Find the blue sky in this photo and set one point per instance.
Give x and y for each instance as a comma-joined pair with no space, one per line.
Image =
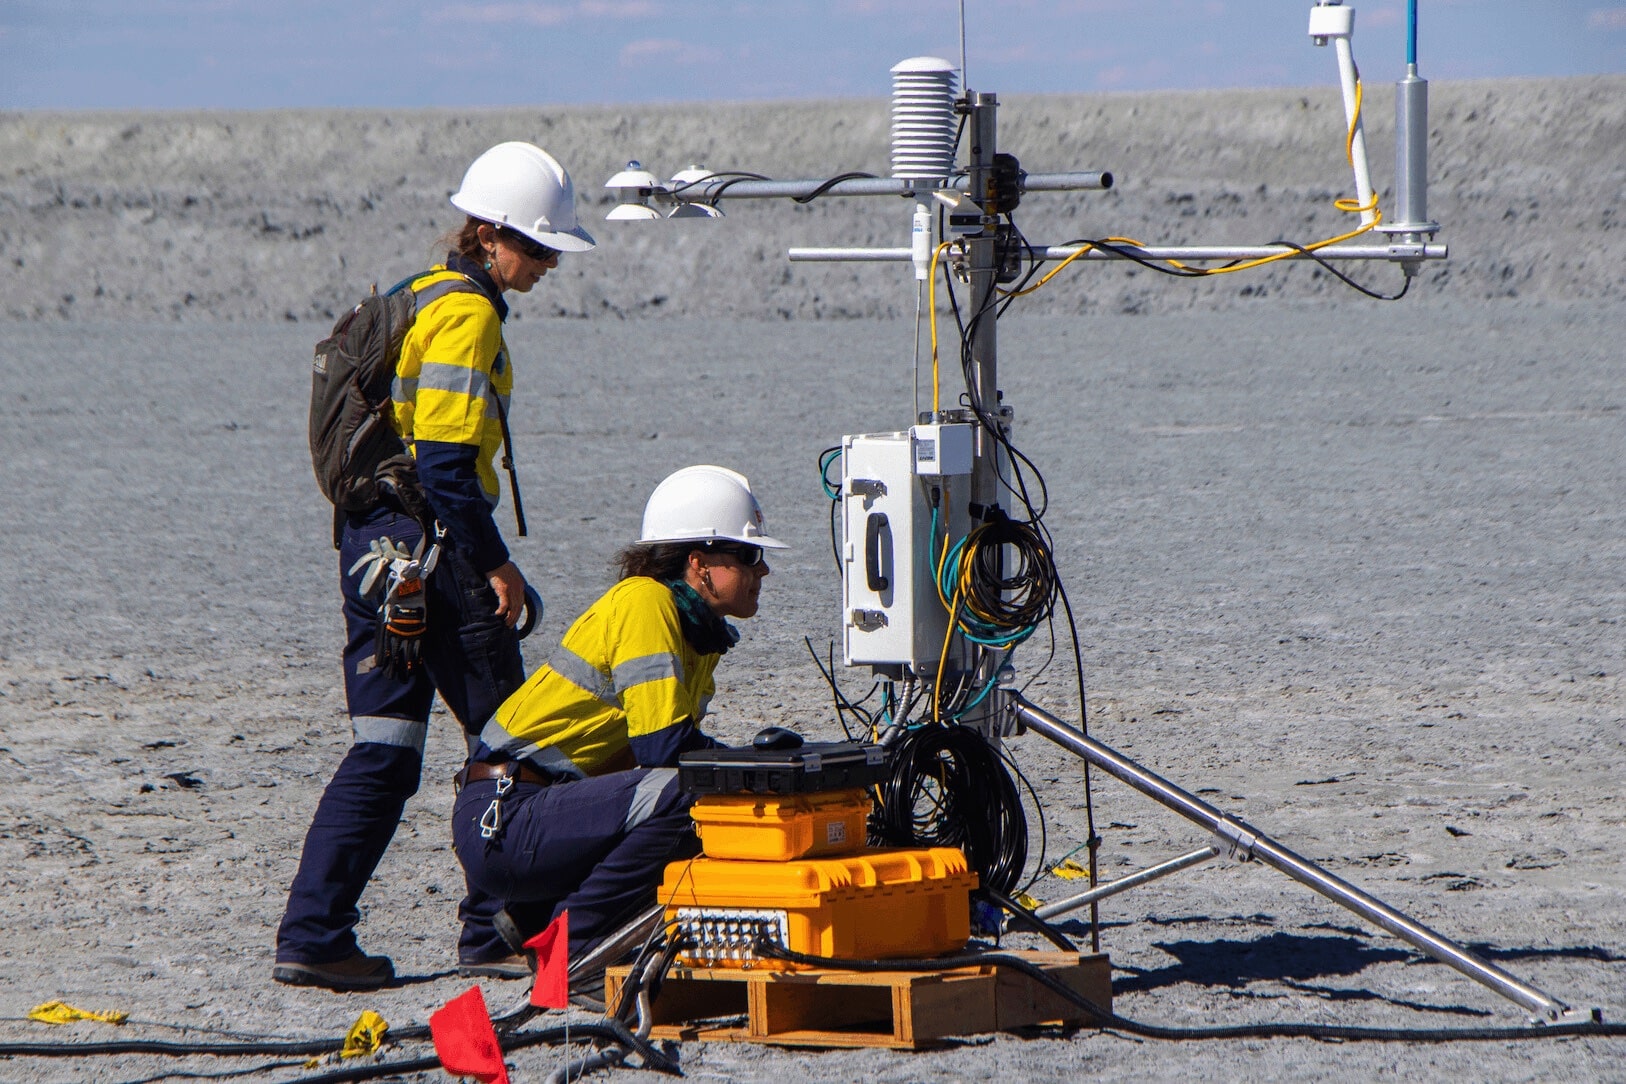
267,54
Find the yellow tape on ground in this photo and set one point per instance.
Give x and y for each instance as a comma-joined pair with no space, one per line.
1070,870
60,1012
365,1037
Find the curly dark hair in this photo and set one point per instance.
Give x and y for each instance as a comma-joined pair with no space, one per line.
664,561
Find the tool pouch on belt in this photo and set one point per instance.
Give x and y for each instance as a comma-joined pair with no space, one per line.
402,620
403,615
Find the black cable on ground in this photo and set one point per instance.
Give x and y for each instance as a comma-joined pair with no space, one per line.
162,1047
605,1031
1021,916
608,1030
1105,1018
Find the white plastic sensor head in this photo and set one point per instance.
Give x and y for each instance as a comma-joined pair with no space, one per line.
683,178
632,212
1331,19
687,178
633,187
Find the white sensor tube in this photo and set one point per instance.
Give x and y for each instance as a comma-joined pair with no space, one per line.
1357,149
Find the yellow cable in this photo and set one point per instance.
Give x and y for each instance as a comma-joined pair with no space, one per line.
942,557
1052,273
931,303
1343,203
1354,121
942,659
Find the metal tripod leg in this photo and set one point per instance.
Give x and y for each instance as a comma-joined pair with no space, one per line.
618,945
1124,884
1244,842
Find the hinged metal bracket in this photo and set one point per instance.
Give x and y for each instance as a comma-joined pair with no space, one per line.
1235,840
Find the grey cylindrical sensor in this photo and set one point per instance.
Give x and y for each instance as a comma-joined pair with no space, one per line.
1411,151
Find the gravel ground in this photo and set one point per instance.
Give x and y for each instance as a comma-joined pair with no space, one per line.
1352,572
288,214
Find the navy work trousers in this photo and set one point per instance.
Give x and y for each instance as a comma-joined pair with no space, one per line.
596,847
471,658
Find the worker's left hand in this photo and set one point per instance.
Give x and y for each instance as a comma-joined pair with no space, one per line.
509,584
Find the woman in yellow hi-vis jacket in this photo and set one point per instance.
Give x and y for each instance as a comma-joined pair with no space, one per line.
450,403
570,801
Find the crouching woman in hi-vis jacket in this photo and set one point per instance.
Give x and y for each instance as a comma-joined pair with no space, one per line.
571,800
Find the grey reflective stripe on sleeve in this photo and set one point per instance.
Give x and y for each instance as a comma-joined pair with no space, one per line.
644,669
461,379
403,390
498,739
491,406
401,733
428,295
647,796
584,675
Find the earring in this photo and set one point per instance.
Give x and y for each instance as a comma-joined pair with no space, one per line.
490,255
705,578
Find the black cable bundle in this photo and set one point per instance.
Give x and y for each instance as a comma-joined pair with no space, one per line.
948,788
1007,594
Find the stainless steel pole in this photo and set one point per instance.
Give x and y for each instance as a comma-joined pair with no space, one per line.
982,264
1124,884
721,188
1245,842
1392,250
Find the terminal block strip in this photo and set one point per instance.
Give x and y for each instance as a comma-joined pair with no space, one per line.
729,934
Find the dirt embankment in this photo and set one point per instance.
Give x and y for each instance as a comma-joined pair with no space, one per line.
286,215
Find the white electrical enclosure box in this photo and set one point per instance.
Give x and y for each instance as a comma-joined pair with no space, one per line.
942,449
892,614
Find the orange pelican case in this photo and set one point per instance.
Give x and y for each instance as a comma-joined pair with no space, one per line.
779,828
879,904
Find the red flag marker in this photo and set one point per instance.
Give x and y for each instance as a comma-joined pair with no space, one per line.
464,1040
552,948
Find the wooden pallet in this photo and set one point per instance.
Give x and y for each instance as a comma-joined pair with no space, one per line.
904,1010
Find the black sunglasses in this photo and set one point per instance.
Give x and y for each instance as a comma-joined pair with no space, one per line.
530,249
746,554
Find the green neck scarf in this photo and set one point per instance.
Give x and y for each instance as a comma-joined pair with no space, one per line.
706,632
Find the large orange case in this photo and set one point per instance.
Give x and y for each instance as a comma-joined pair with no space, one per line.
779,828
876,904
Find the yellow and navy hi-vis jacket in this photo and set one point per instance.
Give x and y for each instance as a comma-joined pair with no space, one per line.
453,371
624,689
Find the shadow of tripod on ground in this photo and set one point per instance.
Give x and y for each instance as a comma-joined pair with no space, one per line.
1293,960
1300,961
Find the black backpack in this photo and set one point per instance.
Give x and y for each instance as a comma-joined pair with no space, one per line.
359,460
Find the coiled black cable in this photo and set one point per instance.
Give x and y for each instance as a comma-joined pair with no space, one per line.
948,788
1005,594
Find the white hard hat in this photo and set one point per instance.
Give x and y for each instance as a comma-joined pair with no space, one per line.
705,504
521,187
